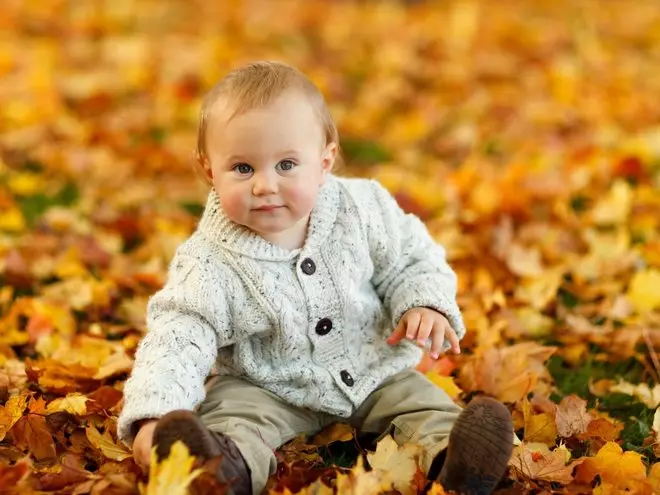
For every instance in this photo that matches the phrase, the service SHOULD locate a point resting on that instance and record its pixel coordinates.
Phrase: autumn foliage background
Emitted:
(525, 133)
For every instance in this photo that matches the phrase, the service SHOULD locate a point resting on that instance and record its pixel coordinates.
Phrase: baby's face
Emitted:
(268, 165)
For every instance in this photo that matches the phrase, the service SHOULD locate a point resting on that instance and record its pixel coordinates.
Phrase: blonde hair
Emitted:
(255, 85)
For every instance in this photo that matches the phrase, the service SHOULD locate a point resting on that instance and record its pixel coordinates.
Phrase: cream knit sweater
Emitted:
(309, 325)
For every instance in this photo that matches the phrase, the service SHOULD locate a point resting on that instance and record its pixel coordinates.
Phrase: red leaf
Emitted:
(31, 432)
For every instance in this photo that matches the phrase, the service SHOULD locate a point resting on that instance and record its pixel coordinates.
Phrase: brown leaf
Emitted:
(103, 399)
(31, 432)
(14, 475)
(71, 472)
(572, 417)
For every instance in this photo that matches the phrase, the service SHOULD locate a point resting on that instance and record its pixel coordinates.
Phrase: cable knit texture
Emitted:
(310, 325)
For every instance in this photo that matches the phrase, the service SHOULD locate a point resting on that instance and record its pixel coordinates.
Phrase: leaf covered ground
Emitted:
(526, 134)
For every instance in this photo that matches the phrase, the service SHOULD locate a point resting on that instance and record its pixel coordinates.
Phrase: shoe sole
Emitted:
(184, 426)
(480, 446)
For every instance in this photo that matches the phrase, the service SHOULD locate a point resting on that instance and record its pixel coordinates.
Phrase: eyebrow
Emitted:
(241, 158)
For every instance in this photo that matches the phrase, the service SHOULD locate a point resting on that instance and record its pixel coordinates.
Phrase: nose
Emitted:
(264, 184)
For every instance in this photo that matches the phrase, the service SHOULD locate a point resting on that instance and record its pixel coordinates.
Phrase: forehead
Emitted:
(288, 117)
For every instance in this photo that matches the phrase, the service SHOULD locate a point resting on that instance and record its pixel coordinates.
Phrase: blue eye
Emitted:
(243, 168)
(286, 165)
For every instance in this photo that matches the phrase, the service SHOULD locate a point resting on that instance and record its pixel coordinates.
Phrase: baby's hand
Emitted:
(142, 444)
(423, 323)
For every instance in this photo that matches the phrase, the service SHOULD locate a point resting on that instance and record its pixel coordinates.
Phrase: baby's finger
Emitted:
(398, 334)
(412, 326)
(425, 329)
(438, 338)
(450, 334)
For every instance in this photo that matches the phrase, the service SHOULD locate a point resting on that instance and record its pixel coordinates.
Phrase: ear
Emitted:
(204, 166)
(328, 159)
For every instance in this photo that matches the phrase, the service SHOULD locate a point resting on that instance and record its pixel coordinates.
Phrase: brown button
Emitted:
(308, 267)
(324, 326)
(346, 378)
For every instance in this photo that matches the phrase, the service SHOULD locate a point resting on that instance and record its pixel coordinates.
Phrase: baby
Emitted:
(312, 294)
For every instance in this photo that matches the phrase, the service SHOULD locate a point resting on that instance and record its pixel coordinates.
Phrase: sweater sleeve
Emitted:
(410, 268)
(187, 320)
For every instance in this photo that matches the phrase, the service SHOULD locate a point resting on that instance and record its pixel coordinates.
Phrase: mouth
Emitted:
(268, 208)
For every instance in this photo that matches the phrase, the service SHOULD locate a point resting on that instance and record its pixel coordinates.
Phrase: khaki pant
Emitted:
(408, 406)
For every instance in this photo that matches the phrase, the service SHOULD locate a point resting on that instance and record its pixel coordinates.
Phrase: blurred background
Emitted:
(525, 133)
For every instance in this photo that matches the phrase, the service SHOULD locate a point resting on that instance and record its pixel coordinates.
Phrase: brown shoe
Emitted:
(480, 446)
(204, 444)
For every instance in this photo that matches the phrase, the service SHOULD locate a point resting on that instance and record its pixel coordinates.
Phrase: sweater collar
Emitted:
(236, 238)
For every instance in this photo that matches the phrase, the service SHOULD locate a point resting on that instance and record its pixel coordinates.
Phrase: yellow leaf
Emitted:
(173, 475)
(73, 403)
(446, 383)
(118, 362)
(106, 444)
(12, 412)
(643, 292)
(26, 183)
(614, 208)
(524, 262)
(11, 220)
(613, 466)
(539, 428)
(400, 464)
(337, 432)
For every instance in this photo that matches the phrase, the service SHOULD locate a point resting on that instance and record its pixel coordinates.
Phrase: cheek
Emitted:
(232, 201)
(301, 198)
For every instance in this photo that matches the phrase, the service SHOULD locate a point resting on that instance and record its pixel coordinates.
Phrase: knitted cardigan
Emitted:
(309, 325)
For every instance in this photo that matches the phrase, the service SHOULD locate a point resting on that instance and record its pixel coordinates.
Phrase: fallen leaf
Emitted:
(400, 464)
(539, 428)
(613, 466)
(539, 466)
(73, 403)
(650, 397)
(172, 475)
(446, 383)
(106, 444)
(572, 417)
(32, 433)
(643, 291)
(337, 432)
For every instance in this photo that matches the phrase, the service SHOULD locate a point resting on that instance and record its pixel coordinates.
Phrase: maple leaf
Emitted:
(12, 412)
(613, 466)
(543, 465)
(539, 428)
(106, 444)
(172, 475)
(572, 417)
(73, 403)
(32, 433)
(507, 373)
(400, 464)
